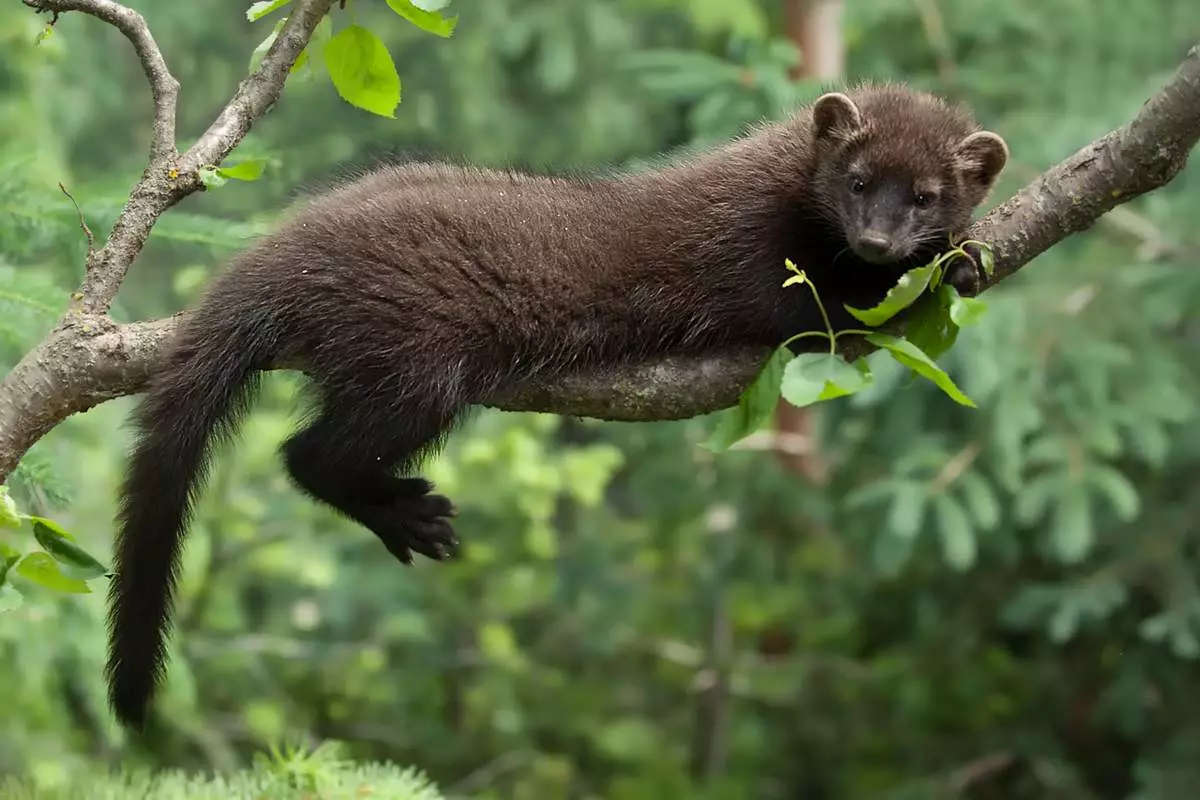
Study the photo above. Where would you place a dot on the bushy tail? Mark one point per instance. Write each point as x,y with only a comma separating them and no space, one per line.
196,397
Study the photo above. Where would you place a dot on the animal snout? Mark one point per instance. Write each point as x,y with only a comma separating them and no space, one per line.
874,246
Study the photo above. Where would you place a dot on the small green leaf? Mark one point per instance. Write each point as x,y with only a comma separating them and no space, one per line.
249,170
1118,490
1065,621
980,499
987,259
10,517
257,54
499,646
40,568
300,61
8,557
929,326
362,71
899,297
425,16
61,545
211,178
755,406
10,598
907,511
964,311
811,377
958,539
43,34
260,9
312,53
1073,533
915,359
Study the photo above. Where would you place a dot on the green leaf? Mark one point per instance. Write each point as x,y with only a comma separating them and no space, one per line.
211,178
1033,500
10,517
61,545
958,539
314,50
249,170
987,259
811,377
964,311
1073,533
8,556
362,71
627,739
899,297
754,407
1117,488
499,646
10,598
907,511
1065,621
425,16
915,359
980,499
256,55
260,9
929,326
40,568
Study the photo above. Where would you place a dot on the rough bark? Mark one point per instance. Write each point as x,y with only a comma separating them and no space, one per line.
88,359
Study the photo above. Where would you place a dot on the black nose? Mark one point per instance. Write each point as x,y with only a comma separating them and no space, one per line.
873,245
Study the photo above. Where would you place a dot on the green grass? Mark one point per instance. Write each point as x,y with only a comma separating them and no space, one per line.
286,774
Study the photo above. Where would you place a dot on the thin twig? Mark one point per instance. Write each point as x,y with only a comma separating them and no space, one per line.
91,240
955,466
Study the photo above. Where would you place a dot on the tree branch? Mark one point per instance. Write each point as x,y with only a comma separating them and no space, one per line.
163,85
170,178
88,360
257,93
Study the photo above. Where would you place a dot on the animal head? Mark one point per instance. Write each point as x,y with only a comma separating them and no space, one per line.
898,170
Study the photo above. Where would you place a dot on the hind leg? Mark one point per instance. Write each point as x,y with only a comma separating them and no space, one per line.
346,458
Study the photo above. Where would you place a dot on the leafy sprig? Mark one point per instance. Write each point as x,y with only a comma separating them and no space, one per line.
938,312
61,565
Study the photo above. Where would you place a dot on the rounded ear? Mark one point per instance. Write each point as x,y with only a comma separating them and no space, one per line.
835,112
981,156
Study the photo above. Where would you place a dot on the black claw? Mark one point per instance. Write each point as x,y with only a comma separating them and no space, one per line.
418,522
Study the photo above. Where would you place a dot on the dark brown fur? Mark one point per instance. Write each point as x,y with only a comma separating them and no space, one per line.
416,291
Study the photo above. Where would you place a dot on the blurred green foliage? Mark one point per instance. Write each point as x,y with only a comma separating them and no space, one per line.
286,774
991,602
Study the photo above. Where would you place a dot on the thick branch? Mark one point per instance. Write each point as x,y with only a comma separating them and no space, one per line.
1135,159
86,361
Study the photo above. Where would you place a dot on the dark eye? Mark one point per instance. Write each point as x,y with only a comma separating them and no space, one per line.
857,185
923,199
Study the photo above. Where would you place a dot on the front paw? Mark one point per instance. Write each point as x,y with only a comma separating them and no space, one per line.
965,274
